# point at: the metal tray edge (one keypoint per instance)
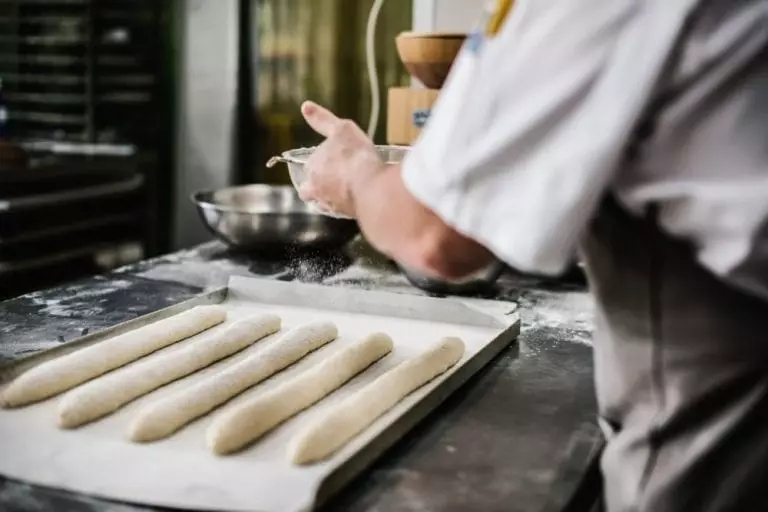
(9, 370)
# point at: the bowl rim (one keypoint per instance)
(467, 286)
(415, 34)
(291, 153)
(197, 198)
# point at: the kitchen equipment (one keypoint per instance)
(59, 186)
(97, 457)
(51, 211)
(428, 56)
(84, 71)
(481, 281)
(296, 158)
(266, 218)
(85, 88)
(409, 109)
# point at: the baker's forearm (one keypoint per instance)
(347, 176)
(398, 225)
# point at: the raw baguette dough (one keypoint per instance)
(68, 371)
(353, 415)
(166, 416)
(246, 422)
(107, 394)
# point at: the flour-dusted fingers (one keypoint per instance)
(164, 417)
(110, 392)
(233, 429)
(329, 433)
(66, 372)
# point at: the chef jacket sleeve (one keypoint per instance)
(532, 123)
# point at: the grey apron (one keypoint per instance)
(681, 362)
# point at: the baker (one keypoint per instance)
(636, 131)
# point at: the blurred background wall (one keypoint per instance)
(123, 108)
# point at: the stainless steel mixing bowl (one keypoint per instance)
(266, 218)
(476, 283)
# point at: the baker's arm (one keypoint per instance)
(422, 240)
(524, 141)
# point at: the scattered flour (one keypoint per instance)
(569, 311)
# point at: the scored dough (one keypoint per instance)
(68, 371)
(107, 394)
(167, 415)
(246, 422)
(324, 437)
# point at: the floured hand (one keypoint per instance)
(344, 161)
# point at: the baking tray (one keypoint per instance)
(180, 472)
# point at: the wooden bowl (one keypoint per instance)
(428, 56)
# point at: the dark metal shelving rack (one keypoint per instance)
(88, 83)
(84, 71)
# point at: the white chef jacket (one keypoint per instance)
(659, 102)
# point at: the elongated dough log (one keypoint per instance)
(243, 424)
(343, 422)
(166, 416)
(66, 372)
(107, 394)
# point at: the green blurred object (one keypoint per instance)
(315, 49)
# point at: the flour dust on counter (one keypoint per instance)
(47, 319)
(571, 312)
(80, 299)
(206, 267)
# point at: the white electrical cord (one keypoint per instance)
(373, 75)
